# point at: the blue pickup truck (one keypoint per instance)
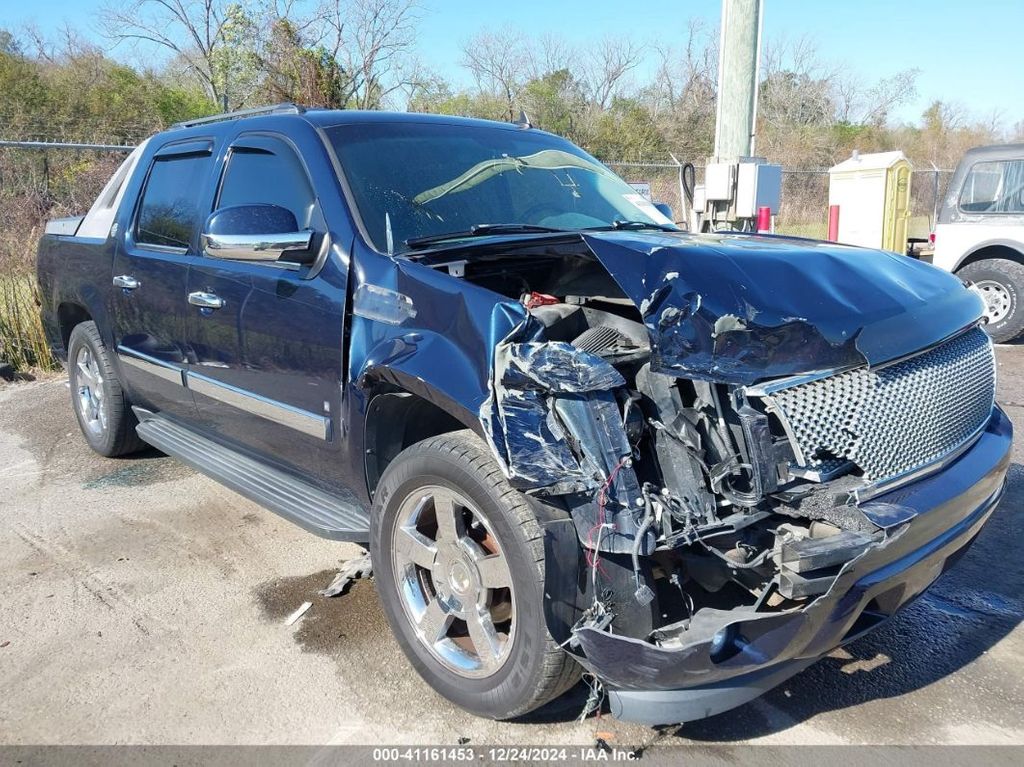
(573, 436)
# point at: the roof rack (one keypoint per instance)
(275, 109)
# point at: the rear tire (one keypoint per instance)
(101, 407)
(434, 590)
(1001, 283)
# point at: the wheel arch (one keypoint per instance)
(1007, 249)
(70, 314)
(397, 417)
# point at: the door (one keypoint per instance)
(267, 361)
(897, 209)
(150, 278)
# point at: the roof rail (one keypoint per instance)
(285, 108)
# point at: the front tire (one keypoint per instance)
(1001, 283)
(101, 407)
(458, 559)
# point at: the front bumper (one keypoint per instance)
(946, 510)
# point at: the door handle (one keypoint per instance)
(206, 300)
(126, 282)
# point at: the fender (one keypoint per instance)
(1015, 245)
(406, 362)
(78, 264)
(420, 330)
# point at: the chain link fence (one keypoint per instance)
(804, 205)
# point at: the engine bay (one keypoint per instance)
(688, 493)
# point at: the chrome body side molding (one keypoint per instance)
(151, 365)
(301, 420)
(313, 424)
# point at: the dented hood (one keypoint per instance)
(738, 308)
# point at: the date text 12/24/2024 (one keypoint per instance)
(525, 754)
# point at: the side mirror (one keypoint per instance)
(256, 233)
(665, 209)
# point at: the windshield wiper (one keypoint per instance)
(480, 230)
(632, 225)
(483, 230)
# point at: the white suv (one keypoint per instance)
(979, 233)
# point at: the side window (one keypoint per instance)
(169, 212)
(267, 171)
(994, 187)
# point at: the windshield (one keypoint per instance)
(414, 180)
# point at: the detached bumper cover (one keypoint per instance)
(944, 512)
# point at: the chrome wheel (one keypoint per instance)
(90, 399)
(997, 299)
(454, 581)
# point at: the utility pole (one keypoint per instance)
(738, 71)
(737, 185)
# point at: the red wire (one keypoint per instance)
(593, 557)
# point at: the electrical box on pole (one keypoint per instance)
(736, 183)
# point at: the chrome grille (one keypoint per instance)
(896, 418)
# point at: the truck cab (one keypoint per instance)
(979, 233)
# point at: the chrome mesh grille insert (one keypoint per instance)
(897, 418)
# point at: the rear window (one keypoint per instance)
(169, 212)
(994, 187)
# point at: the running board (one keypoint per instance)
(307, 506)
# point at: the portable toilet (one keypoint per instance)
(873, 195)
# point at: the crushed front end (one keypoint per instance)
(765, 448)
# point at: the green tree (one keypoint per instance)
(234, 62)
(435, 95)
(627, 131)
(556, 102)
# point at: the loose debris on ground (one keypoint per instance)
(352, 570)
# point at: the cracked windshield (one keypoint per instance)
(427, 182)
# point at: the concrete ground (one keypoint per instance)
(142, 603)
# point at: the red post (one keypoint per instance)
(764, 219)
(833, 223)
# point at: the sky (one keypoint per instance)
(968, 53)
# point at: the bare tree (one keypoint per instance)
(191, 30)
(682, 96)
(796, 85)
(500, 65)
(1017, 131)
(607, 65)
(65, 42)
(993, 121)
(687, 78)
(416, 79)
(859, 105)
(549, 54)
(372, 41)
